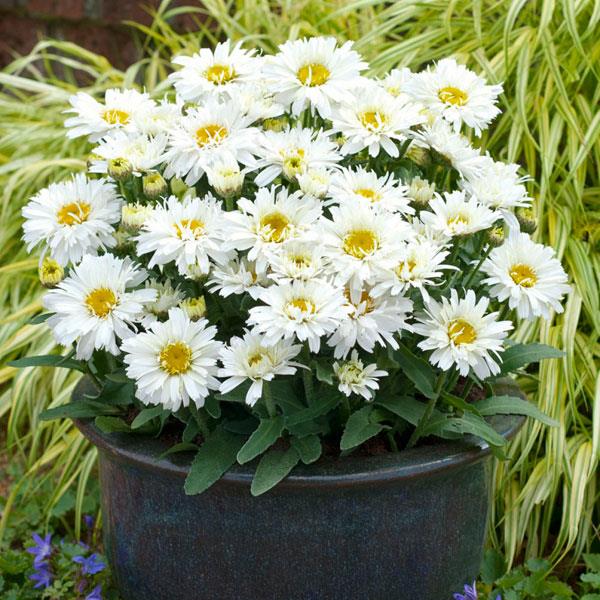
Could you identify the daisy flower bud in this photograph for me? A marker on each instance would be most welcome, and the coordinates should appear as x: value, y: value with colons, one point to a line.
x: 315, y: 182
x: 421, y: 192
x: 226, y: 177
x: 154, y: 185
x: 119, y: 168
x: 275, y: 124
x: 495, y: 236
x: 418, y: 155
x: 50, y: 273
x: 194, y: 308
x: 133, y: 216
x: 527, y: 220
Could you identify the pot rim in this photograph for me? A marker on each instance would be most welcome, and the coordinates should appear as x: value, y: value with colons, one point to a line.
x: 145, y: 452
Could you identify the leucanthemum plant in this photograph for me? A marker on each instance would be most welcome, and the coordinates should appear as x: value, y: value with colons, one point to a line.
x: 284, y: 260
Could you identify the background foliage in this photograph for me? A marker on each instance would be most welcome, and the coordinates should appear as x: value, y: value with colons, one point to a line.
x: 547, y: 53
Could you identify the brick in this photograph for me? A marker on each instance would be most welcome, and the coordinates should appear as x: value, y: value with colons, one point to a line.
x: 57, y: 9
x: 18, y: 35
x: 117, y: 11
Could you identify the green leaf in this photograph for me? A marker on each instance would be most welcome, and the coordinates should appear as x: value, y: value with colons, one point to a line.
x: 215, y: 456
x: 520, y: 355
x: 459, y: 403
x: 190, y: 432
x: 592, y: 562
x: 41, y: 318
x: 242, y: 426
x: 321, y: 406
x: 212, y: 406
x: 48, y: 360
x: 323, y: 371
x: 406, y: 407
x: 237, y: 394
x: 309, y: 448
x: 81, y: 409
x: 511, y: 405
x: 178, y: 448
x: 418, y: 370
x: 265, y: 435
x: 147, y: 414
x: 359, y: 429
x: 493, y: 566
x: 272, y: 468
x: 111, y: 425
x: 470, y: 423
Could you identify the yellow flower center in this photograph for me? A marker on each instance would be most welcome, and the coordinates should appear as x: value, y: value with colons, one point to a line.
x: 405, y: 269
x: 313, y: 74
x: 372, y: 120
x: 101, y: 302
x: 114, y: 116
x: 175, y: 358
x: 210, y: 134
x: 301, y: 261
x: 275, y: 227
x: 351, y: 373
x: 457, y: 220
x: 368, y: 193
x: 365, y: 298
x: 195, y: 226
x: 303, y: 304
x: 360, y: 243
x: 461, y: 332
x: 73, y: 213
x: 523, y: 275
x: 258, y: 357
x: 453, y: 95
x: 219, y: 74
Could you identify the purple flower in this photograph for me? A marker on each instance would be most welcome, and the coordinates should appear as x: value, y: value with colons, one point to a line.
x: 41, y: 576
x: 88, y: 520
x: 42, y: 549
x: 470, y: 593
x: 95, y: 594
x: 91, y: 565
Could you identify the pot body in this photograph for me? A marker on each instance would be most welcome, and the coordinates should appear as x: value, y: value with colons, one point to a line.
x: 400, y: 526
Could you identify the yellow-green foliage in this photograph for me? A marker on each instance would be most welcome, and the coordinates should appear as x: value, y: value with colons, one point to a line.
x: 547, y: 53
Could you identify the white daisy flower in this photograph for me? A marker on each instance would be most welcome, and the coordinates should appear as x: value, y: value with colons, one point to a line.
x: 292, y: 152
x: 167, y: 297
x: 395, y: 82
x: 462, y: 335
x: 374, y: 119
x: 160, y: 118
x: 499, y: 186
x: 457, y: 94
x: 421, y: 263
x: 96, y: 119
x: 306, y: 310
x: 297, y: 260
x: 420, y: 191
x: 257, y: 102
x: 315, y: 182
x: 528, y: 275
x: 188, y: 233
x: 237, y: 276
x: 272, y: 219
x: 357, y: 379
x: 72, y: 218
x: 371, y: 321
x: 94, y: 305
x: 175, y: 363
x: 359, y: 240
x: 221, y: 70
x: 454, y: 147
x: 203, y: 134
x: 359, y: 185
x: 142, y: 152
x: 133, y: 216
x: 456, y: 214
x: 313, y: 72
x: 251, y: 358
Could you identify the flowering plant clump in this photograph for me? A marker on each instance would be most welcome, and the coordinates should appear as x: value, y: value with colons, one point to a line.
x: 283, y: 256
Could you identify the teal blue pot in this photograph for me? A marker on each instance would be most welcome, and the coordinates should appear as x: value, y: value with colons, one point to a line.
x: 408, y: 525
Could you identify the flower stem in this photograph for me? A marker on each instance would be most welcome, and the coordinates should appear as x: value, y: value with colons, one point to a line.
x: 418, y: 432
x: 477, y: 267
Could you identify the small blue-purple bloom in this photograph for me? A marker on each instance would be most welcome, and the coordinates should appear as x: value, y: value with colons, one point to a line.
x: 88, y: 520
x: 471, y: 593
x: 42, y: 549
x: 42, y: 576
x: 95, y: 594
x: 91, y: 565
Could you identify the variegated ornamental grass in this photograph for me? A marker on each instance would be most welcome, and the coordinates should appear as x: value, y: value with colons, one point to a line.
x: 547, y: 54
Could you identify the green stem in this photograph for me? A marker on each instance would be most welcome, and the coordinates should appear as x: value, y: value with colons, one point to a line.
x: 418, y: 432
x: 268, y: 398
x: 468, y: 387
x: 477, y: 267
x: 392, y: 440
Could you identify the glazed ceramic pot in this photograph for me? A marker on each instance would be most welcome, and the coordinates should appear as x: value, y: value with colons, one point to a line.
x: 408, y: 525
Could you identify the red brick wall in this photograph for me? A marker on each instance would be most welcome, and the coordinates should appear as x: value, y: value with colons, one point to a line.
x: 94, y: 24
